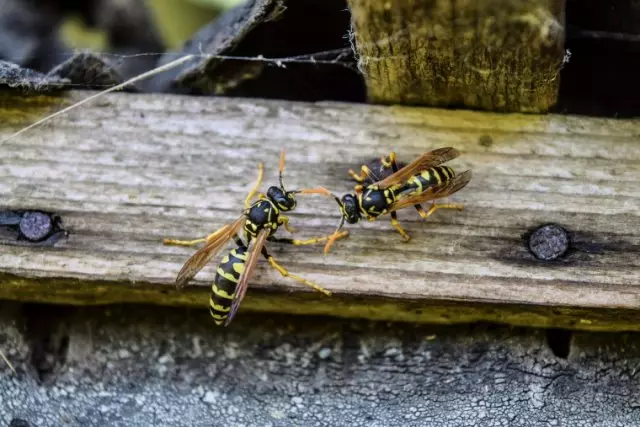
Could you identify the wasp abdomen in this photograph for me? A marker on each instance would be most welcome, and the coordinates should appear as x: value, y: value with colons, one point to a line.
x: 428, y: 178
x: 224, y: 285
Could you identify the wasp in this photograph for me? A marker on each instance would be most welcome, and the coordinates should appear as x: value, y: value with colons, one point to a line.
x: 391, y: 188
x: 259, y: 221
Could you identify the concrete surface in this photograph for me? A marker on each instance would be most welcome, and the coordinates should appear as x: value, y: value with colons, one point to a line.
x: 148, y: 366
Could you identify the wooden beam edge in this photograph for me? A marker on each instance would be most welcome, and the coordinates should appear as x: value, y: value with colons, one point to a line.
x: 419, y: 311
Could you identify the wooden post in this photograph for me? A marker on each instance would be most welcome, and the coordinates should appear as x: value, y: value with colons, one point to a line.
x: 499, y: 55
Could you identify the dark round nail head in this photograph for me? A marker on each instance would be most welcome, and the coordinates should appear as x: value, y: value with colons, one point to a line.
x: 35, y: 226
x: 549, y: 242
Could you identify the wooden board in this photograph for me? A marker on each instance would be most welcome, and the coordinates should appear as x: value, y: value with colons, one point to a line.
x: 129, y: 170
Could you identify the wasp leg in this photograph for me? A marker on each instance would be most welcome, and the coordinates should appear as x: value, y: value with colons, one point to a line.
x: 191, y: 242
x: 284, y: 221
x: 435, y: 207
x: 283, y: 271
x: 364, y: 173
x: 397, y: 226
x: 184, y: 242
x: 254, y: 189
x: 391, y: 163
x: 332, y: 237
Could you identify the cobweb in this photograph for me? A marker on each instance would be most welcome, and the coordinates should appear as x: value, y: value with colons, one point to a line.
x: 349, y: 57
x: 340, y: 57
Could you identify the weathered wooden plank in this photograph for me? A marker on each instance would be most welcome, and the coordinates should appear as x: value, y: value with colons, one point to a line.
x: 131, y: 169
x: 498, y: 55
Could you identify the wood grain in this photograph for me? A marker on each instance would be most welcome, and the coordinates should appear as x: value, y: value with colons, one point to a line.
x: 129, y: 170
x: 496, y: 55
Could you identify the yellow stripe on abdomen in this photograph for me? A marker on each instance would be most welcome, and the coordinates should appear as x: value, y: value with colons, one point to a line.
x: 219, y: 307
x: 232, y: 277
x: 221, y: 293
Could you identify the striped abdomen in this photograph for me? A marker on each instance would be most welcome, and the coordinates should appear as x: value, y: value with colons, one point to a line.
x: 225, y: 282
x: 428, y: 178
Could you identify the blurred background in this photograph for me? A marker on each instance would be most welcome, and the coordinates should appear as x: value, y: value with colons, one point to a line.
x: 177, y: 21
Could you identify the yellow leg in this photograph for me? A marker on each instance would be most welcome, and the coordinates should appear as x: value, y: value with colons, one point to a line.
x: 184, y: 242
x: 192, y: 242
x: 283, y: 271
x: 332, y: 237
x: 254, y: 190
x: 435, y: 207
x: 364, y: 173
x: 397, y: 226
x: 284, y: 221
x: 391, y: 162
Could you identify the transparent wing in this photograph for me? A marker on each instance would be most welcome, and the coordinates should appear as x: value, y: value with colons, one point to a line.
x: 437, y: 191
x: 214, y: 244
x: 425, y: 161
x: 255, y: 250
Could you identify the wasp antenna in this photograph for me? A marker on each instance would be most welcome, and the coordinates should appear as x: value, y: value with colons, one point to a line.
x: 317, y: 190
x: 282, y: 161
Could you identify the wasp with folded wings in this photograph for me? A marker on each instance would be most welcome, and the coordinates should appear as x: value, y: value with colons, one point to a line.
x: 260, y: 220
x: 391, y: 188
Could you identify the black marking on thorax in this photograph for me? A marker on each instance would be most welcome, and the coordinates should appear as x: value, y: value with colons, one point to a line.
x: 261, y: 214
x: 375, y: 202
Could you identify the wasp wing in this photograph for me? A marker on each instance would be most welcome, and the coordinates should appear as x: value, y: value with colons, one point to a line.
x: 214, y: 244
x: 435, y: 192
x: 425, y: 161
x: 255, y: 250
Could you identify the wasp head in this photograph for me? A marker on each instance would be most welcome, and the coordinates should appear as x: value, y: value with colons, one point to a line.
x: 284, y: 200
x: 349, y: 208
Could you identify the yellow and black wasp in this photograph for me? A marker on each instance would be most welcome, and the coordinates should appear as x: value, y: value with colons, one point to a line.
x: 260, y: 220
x: 393, y: 188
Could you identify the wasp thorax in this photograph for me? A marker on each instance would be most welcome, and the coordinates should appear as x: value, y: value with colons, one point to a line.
x: 285, y: 200
x: 349, y: 207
